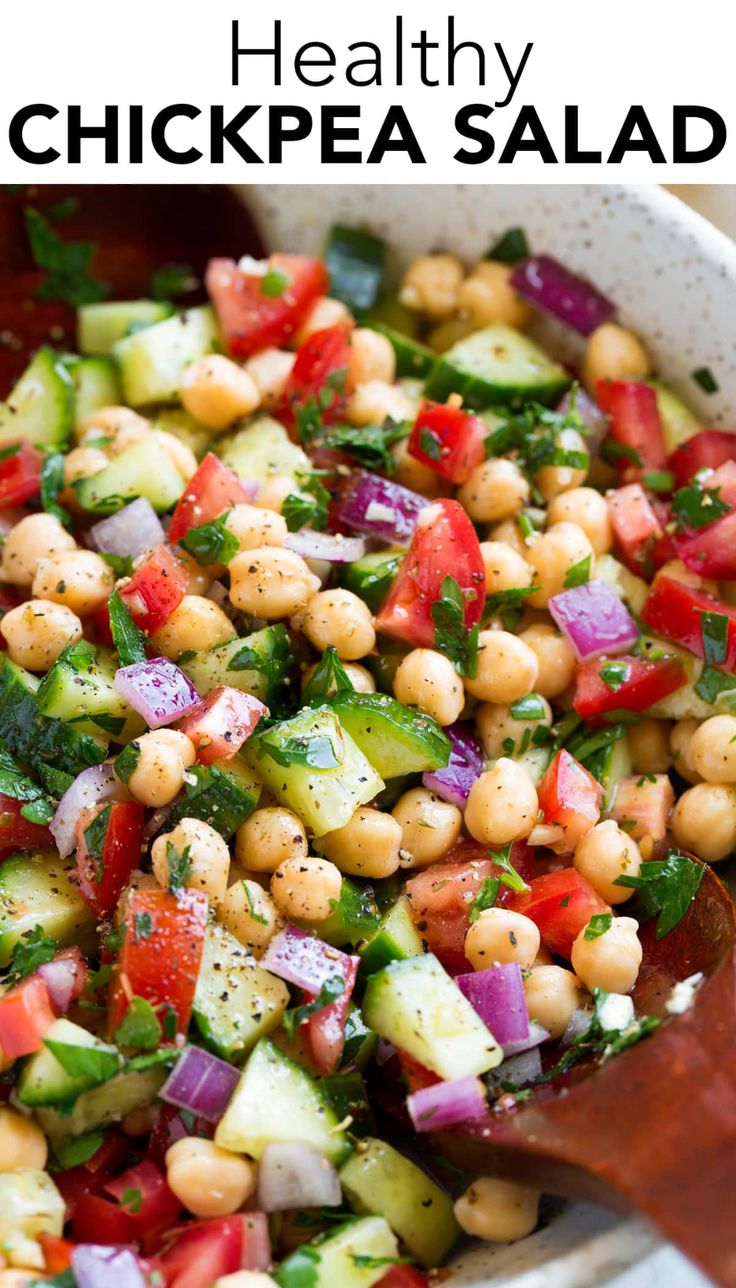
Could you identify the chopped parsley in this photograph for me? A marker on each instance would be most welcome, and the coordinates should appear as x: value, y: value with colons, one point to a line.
x: 529, y: 708
x: 430, y: 444
x: 485, y: 898
x: 599, y: 1042
x: 451, y: 636
x: 301, y: 511
x: 659, y: 480
x: 317, y: 752
x: 614, y: 674
x: 66, y: 264
x: 712, y: 682
x: 252, y: 913
x: 139, y: 1028
x: 97, y: 1063
x: 31, y: 951
x: 129, y: 641
x: 274, y: 283
x: 329, y: 677
x: 14, y: 782
x: 508, y: 605
x: 511, y: 247
x: 131, y: 1200
x: 614, y: 452
x: 578, y: 574
x: 704, y: 377
x: 695, y: 506
x: 509, y: 876
x: 52, y: 483
x: 533, y: 435
x: 329, y: 993
x: 171, y: 280
x: 72, y: 1153
x: 127, y: 761
x: 95, y: 835
x: 598, y: 925
x: 212, y: 542
x: 670, y: 885
x: 369, y: 445
x: 178, y: 864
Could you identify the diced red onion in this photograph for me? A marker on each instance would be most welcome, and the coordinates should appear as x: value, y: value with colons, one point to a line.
x: 157, y: 690
x: 594, y: 620
x: 537, y: 1035
x: 519, y: 1069
x: 497, y: 994
x: 453, y: 783
x: 158, y: 818
x: 325, y: 546
x: 64, y: 977
x: 547, y: 284
x: 98, y: 1266
x: 445, y: 1104
x: 201, y: 1083
x: 577, y: 1024
x: 251, y: 486
x: 90, y: 788
x: 594, y: 420
x: 132, y: 531
x: 293, y: 1175
x: 381, y: 508
x: 303, y: 960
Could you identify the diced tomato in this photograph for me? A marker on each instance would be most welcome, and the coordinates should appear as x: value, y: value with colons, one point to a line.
x: 711, y: 551
x: 98, y: 1220
x: 249, y: 317
x: 724, y: 479
x: 448, y: 440
x: 20, y: 472
x: 318, y: 376
x: 417, y: 1077
x: 102, y: 876
x: 57, y: 1253
x: 644, y: 803
x: 161, y: 955
x: 445, y: 544
x: 110, y: 1155
x: 213, y: 489
x: 156, y: 588
x: 403, y: 1277
x: 17, y: 832
x: 635, y: 423
x: 646, y: 682
x: 325, y: 1030
x: 638, y: 526
x: 706, y: 450
x: 570, y: 798
x: 560, y: 904
x: 206, y: 1250
x: 101, y: 619
x: 441, y: 896
x: 219, y: 725
x: 169, y: 1127
x: 26, y: 1015
x: 676, y: 611
x: 76, y: 1182
x: 144, y: 1194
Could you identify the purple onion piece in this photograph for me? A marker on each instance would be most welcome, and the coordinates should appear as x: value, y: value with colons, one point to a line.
x: 132, y: 531
x: 303, y: 960
x: 325, y: 545
x: 157, y: 690
x: 519, y: 1069
x: 292, y: 1175
x: 547, y: 284
x: 200, y: 1083
x: 537, y: 1035
x: 594, y: 420
x: 447, y: 1103
x: 381, y: 508
x: 497, y: 994
x: 594, y: 620
x: 59, y: 976
x: 453, y: 783
x: 90, y: 788
x: 98, y: 1266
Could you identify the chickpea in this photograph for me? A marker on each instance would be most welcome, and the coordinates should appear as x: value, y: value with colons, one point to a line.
x: 445, y: 334
x: 555, y: 480
x: 510, y: 534
x: 268, y: 837
x: 588, y: 510
x: 196, y: 623
x: 375, y: 401
x: 164, y: 755
x: 271, y: 583
x: 496, y: 490
x: 18, y: 1278
x: 681, y: 736
x: 216, y: 391
x: 37, y: 631
x: 704, y: 821
x: 497, y: 1211
x: 502, y: 805
x: 306, y: 888
x: 604, y: 853
x: 256, y: 526
x: 552, y: 995
x: 36, y: 537
x: 360, y: 678
x: 428, y: 680
x: 555, y: 656
x: 613, y: 353
x: 207, y: 854
x: 372, y: 357
x: 129, y: 436
x: 505, y: 568
x: 274, y: 491
x: 250, y: 914
x: 208, y: 1181
x: 82, y: 463
x: 200, y: 578
x: 414, y: 474
x: 271, y: 369
x: 713, y: 749
x: 22, y: 1143
x: 244, y: 1279
x: 488, y: 296
x: 341, y: 619
x: 429, y: 827
x: 80, y: 579
x: 649, y: 744
x: 366, y: 846
x: 325, y: 312
x: 507, y: 668
x: 501, y: 936
x: 106, y: 422
x: 496, y: 726
x: 609, y: 961
x: 431, y: 285
x: 558, y: 550
x: 181, y: 456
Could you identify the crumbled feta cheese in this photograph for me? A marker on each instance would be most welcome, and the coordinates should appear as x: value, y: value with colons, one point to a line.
x: 377, y: 512
x: 616, y: 1013
x: 253, y: 267
x: 683, y: 994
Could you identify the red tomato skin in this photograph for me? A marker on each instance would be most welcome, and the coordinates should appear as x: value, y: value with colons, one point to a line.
x: 155, y: 590
x: 169, y: 1127
x: 120, y: 855
x: 647, y: 683
x: 17, y: 832
x: 250, y: 320
x: 323, y: 355
x: 416, y: 1076
x: 635, y: 422
x: 638, y: 523
x: 444, y: 544
x: 57, y: 1253
x: 675, y: 610
x: 403, y: 1277
x: 570, y: 797
x: 159, y: 1207
x: 459, y: 440
x: 213, y: 489
x: 20, y: 474
x: 220, y: 724
x: 711, y: 552
x: 325, y: 1030
x: 162, y: 964
x: 560, y: 904
x: 26, y: 1015
x: 206, y: 1250
x: 97, y: 1220
x: 709, y: 449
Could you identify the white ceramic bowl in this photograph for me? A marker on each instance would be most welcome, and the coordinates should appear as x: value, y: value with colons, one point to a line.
x: 673, y: 277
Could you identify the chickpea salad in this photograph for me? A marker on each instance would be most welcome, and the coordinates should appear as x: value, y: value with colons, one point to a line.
x: 368, y: 680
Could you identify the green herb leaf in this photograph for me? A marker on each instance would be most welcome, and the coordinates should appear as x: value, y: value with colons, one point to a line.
x: 178, y: 865
x: 132, y: 1200
x: 252, y: 913
x: 126, y: 762
x: 72, y: 1153
x: 329, y: 677
x: 672, y: 884
x: 139, y: 1028
x: 40, y: 811
x: 142, y: 926
x: 711, y: 683
x: 52, y: 483
x: 122, y: 565
x: 369, y: 445
x: 613, y: 452
x: 529, y: 708
x: 598, y: 925
x: 430, y: 444
x: 329, y: 993
x: 98, y: 1064
x: 211, y: 542
x: 311, y: 511
x: 578, y: 574
x: 509, y: 876
x: 13, y: 781
x: 171, y: 280
x: 317, y: 752
x: 511, y: 247
x: 614, y: 674
x: 714, y: 627
x: 598, y: 1042
x: 533, y: 434
x: 129, y: 641
x: 32, y: 950
x: 659, y: 480
x: 704, y: 377
x: 451, y: 636
x: 363, y: 1261
x: 95, y: 835
x: 274, y: 283
x: 66, y: 264
x: 695, y: 506
x: 485, y: 898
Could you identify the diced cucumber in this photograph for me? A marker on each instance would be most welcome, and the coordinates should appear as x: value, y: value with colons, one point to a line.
x: 395, y: 739
x: 396, y: 939
x: 609, y: 766
x: 353, y: 917
x: 44, y: 1079
x: 80, y: 684
x: 145, y: 469
x: 496, y: 365
x: 96, y: 385
x: 153, y: 361
x: 390, y: 312
x: 275, y: 1100
x: 262, y: 451
x: 347, y: 1093
x: 355, y: 261
x: 356, y: 1255
x: 129, y: 1090
x: 312, y: 765
x: 35, y: 890
x: 30, y: 1204
x: 100, y: 326
x: 223, y: 795
x: 412, y: 357
x: 678, y: 421
x: 360, y: 1042
x: 379, y: 1179
x: 176, y: 421
x: 371, y: 577
x: 237, y: 1001
x: 626, y: 583
x: 417, y: 1006
x: 257, y: 664
x: 37, y: 739
x: 40, y: 406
